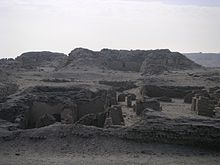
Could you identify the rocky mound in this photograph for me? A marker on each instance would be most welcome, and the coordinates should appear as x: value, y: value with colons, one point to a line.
x: 9, y: 64
x: 84, y: 58
x: 149, y: 61
x: 4, y: 76
x: 31, y: 60
x: 164, y: 60
x: 7, y: 85
x: 7, y: 89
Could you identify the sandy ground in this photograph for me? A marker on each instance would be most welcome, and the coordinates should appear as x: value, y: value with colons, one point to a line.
x: 118, y: 159
x: 177, y: 108
x: 102, y: 151
x: 93, y: 75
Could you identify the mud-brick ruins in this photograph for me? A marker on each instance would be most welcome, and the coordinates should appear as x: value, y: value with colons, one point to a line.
x: 136, y: 96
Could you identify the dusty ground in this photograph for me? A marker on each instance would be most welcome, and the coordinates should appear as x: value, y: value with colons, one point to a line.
x: 177, y: 108
x: 117, y: 159
x: 92, y: 76
x: 102, y: 151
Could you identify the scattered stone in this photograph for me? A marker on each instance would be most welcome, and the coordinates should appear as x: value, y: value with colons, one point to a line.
x: 97, y: 120
x: 165, y: 99
x: 56, y: 80
x: 45, y: 120
x: 141, y: 105
x: 89, y: 120
x: 12, y: 128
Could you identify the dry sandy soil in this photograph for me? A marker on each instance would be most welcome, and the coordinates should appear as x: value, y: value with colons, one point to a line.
x: 102, y: 151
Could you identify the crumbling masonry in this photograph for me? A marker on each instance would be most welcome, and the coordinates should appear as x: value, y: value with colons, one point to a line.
x: 203, y: 106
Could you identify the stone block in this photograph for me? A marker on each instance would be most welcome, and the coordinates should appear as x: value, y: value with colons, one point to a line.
x: 121, y: 97
x: 129, y: 101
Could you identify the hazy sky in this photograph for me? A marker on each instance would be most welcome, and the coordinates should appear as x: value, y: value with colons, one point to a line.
x: 62, y: 25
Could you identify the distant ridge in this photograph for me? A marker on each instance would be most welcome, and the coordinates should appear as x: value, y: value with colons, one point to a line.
x: 205, y: 59
x: 144, y: 61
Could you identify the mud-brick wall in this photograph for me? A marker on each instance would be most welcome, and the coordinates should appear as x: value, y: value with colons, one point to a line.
x: 169, y: 91
x: 205, y: 107
x: 95, y: 106
x: 39, y: 109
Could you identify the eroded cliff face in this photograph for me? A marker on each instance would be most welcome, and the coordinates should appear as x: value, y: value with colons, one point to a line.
x: 7, y: 89
x: 164, y: 60
x: 9, y: 64
x: 149, y: 61
x: 4, y: 76
x: 31, y: 60
x: 144, y: 61
x: 7, y: 84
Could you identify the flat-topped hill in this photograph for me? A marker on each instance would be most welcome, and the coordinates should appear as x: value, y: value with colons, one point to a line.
x: 147, y: 61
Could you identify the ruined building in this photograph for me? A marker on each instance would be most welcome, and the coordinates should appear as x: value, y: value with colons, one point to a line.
x: 203, y: 106
x: 67, y: 105
x: 141, y: 105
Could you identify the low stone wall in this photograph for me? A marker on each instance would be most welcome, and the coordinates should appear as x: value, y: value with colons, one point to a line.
x: 203, y: 106
x: 157, y: 127
x: 95, y: 106
x: 168, y: 91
